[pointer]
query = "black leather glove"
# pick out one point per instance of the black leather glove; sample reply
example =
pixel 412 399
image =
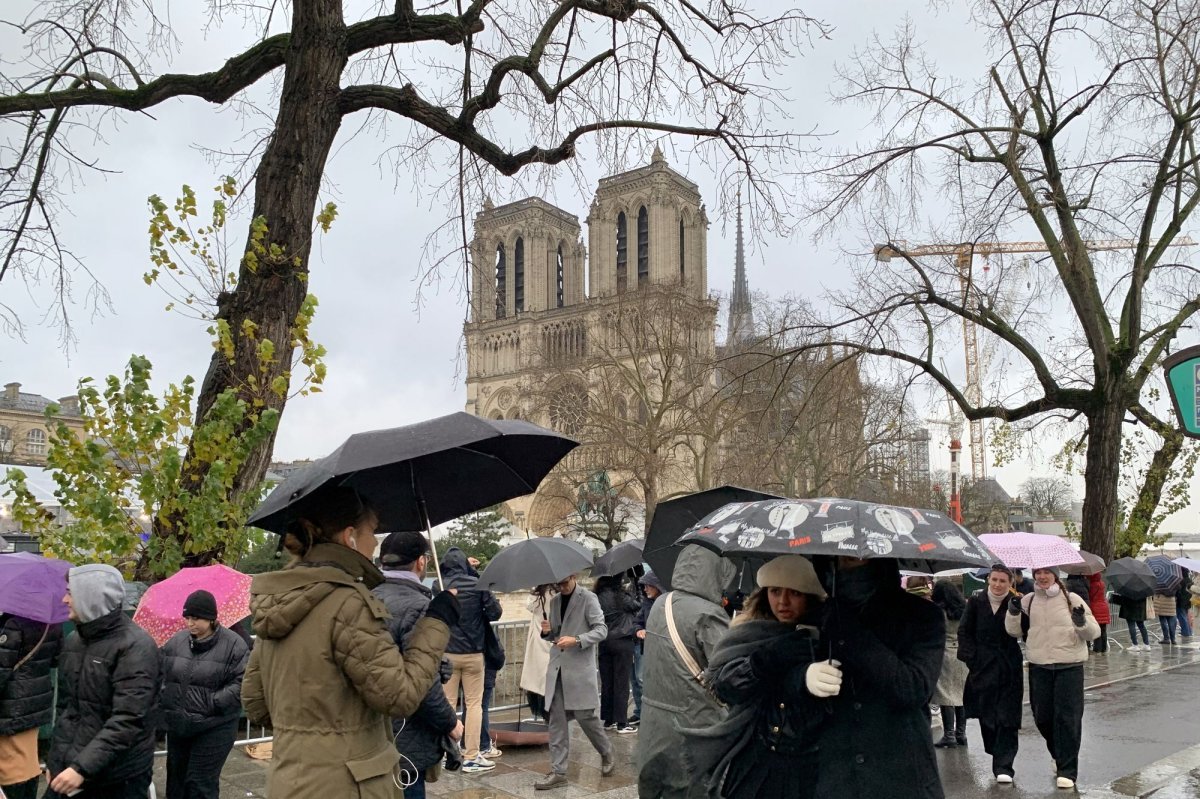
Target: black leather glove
pixel 444 607
pixel 1014 605
pixel 1077 616
pixel 783 652
pixel 445 671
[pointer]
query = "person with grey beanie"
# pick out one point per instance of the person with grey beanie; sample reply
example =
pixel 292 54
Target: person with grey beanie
pixel 103 743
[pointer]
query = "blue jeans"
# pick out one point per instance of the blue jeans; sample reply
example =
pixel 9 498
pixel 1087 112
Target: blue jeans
pixel 417 789
pixel 1168 627
pixel 636 680
pixel 485 735
pixel 1133 631
pixel 1185 628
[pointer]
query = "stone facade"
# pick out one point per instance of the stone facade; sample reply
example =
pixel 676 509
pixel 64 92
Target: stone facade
pixel 542 303
pixel 24 436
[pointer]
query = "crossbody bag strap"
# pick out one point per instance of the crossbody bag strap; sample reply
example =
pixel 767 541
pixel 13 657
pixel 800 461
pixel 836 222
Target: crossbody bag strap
pixel 688 661
pixel 36 647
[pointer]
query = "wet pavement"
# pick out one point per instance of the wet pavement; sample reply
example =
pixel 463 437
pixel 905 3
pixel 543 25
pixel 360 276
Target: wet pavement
pixel 1141 730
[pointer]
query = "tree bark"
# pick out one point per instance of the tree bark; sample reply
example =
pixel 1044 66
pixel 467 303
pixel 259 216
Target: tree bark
pixel 1142 515
pixel 287 187
pixel 1102 475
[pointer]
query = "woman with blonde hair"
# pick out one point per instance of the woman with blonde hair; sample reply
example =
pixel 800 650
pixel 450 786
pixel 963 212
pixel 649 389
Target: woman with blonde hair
pixel 325 672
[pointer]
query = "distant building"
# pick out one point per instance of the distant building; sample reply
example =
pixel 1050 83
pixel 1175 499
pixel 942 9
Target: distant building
pixel 24 434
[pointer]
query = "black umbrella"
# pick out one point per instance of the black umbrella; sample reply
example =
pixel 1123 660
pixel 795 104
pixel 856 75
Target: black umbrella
pixel 920 540
pixel 426 473
pixel 533 562
pixel 1131 578
pixel 676 516
pixel 622 557
pixel 1168 576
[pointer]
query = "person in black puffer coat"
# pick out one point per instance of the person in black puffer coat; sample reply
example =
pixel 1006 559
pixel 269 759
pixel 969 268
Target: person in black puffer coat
pixel 201 699
pixel 103 742
pixel 616 651
pixel 477 609
pixel 419 737
pixel 26 698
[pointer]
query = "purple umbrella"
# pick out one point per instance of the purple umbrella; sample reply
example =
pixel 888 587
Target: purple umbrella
pixel 33 587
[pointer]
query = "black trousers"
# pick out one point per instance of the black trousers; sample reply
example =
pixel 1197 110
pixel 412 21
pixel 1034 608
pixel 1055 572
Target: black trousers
pixel 1056 698
pixel 194 762
pixel 616 665
pixel 1101 643
pixel 22 790
pixel 136 787
pixel 1001 743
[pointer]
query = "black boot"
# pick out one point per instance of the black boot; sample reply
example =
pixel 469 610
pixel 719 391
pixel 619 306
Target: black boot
pixel 948 738
pixel 960 725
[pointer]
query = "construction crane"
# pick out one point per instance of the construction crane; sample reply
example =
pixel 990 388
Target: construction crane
pixel 964 253
pixel 954 425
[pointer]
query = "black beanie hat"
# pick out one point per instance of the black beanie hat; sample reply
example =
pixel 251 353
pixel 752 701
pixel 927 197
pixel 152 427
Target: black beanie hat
pixel 200 605
pixel 401 549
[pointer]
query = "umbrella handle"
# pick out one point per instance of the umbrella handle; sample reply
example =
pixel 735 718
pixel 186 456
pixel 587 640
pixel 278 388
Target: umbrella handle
pixel 437 566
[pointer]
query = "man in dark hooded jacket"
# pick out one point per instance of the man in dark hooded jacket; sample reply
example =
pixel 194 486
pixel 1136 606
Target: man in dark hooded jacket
pixel 103 745
pixel 28 651
pixel 477 609
pixel 418 738
pixel 672 698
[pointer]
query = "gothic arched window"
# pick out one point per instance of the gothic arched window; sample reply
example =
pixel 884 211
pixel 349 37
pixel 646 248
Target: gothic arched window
pixel 622 252
pixel 558 277
pixel 682 242
pixel 519 275
pixel 501 283
pixel 643 245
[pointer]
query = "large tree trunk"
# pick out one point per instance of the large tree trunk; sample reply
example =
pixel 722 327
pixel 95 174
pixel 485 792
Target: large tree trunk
pixel 1137 526
pixel 1103 472
pixel 286 191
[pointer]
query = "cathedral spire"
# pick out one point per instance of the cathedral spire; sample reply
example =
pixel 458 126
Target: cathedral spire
pixel 741 312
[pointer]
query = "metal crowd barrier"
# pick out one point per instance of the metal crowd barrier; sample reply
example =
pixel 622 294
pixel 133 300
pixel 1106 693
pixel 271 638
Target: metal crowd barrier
pixel 507 695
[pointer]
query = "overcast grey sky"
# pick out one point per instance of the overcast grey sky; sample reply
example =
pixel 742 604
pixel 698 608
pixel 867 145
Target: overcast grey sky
pixel 394 347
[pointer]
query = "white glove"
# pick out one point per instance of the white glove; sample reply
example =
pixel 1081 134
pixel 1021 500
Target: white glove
pixel 823 679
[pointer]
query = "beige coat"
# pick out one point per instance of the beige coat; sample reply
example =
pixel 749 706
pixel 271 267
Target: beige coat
pixel 537 649
pixel 1053 636
pixel 327 676
pixel 1164 605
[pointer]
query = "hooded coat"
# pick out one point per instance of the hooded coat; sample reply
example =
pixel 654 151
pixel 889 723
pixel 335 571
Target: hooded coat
pixel 27 694
pixel 108 677
pixel 419 736
pixel 476 608
pixel 327 675
pixel 202 680
pixel 671 697
pixel 1097 599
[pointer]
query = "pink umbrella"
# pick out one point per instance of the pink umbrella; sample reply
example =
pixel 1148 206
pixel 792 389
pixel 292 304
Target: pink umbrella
pixel 1031 550
pixel 160 612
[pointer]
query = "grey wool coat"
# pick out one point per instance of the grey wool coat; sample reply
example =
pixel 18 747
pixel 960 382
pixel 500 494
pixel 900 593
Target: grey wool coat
pixel 577 665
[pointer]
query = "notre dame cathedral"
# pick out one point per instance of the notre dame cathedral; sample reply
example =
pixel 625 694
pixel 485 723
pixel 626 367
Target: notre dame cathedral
pixel 540 298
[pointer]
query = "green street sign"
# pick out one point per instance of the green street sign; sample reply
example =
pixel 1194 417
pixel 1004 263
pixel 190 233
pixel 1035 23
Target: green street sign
pixel 1183 381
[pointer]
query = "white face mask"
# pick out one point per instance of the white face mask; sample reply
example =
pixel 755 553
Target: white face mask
pixel 1053 590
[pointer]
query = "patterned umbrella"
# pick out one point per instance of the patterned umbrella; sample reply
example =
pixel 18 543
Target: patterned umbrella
pixel 160 612
pixel 1031 550
pixel 1167 574
pixel 921 540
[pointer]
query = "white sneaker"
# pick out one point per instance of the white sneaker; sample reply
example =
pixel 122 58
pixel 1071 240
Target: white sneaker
pixel 1004 779
pixel 492 752
pixel 1065 782
pixel 477 765
pixel 1146 647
